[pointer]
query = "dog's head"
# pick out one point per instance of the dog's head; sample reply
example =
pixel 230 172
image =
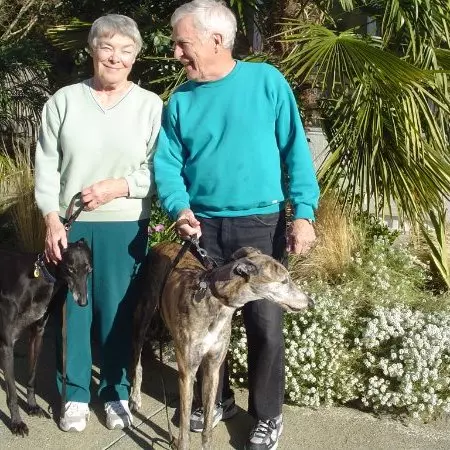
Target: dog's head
pixel 74 268
pixel 251 275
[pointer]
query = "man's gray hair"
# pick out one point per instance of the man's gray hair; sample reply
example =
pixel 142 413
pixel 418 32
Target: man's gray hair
pixel 111 24
pixel 210 16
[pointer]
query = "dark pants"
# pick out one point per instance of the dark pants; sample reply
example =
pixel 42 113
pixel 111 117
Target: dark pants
pixel 263 320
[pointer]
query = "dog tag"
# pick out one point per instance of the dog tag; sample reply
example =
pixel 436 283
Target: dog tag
pixel 36 272
pixel 201 291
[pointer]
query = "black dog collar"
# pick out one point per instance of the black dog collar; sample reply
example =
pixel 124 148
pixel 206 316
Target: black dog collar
pixel 39 266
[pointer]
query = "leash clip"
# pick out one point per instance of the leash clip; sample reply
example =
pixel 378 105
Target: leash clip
pixel 71 217
pixel 201 251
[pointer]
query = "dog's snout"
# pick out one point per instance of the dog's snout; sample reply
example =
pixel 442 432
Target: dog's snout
pixel 311 303
pixel 82 302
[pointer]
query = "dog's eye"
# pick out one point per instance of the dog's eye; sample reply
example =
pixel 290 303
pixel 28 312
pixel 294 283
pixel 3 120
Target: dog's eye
pixel 285 281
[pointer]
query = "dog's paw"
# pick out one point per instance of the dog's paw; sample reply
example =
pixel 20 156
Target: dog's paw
pixel 35 410
pixel 135 402
pixel 19 429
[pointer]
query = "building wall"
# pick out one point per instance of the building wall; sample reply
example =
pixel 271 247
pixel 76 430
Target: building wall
pixel 318 146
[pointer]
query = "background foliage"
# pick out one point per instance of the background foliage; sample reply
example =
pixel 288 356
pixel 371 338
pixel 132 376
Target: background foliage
pixel 374 75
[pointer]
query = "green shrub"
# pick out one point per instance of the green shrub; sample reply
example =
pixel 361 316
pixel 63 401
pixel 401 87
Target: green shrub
pixel 161 228
pixel 376 337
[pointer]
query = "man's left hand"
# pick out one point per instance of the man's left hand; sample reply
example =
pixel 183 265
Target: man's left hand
pixel 300 237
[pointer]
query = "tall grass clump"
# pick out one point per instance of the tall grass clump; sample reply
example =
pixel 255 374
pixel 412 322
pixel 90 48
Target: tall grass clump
pixel 337 240
pixel 17 202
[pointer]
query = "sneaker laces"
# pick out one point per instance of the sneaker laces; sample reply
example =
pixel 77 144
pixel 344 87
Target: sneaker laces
pixel 262 428
pixel 115 407
pixel 75 409
pixel 197 413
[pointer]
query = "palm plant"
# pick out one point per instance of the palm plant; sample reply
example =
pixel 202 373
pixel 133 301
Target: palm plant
pixel 385 112
pixel 23 89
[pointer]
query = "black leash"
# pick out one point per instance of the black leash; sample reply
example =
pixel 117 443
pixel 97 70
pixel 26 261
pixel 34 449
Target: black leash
pixel 70 219
pixel 209 263
pixel 184 248
pixel 70 215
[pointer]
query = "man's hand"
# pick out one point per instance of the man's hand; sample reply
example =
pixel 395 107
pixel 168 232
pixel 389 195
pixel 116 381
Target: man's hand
pixel 103 192
pixel 300 237
pixel 55 237
pixel 187 225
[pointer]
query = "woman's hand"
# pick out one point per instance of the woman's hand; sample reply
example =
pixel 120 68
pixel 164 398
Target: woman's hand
pixel 103 192
pixel 55 237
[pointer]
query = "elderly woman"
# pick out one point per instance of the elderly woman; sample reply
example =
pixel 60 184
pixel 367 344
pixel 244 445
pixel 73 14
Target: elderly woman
pixel 97 138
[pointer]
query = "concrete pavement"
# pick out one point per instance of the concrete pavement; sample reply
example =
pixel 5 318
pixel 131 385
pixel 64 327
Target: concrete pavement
pixel 324 429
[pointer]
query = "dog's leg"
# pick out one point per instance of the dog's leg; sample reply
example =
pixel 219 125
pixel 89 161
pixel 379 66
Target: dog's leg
pixel 186 377
pixel 17 425
pixel 35 345
pixel 210 380
pixel 141 323
pixel 135 396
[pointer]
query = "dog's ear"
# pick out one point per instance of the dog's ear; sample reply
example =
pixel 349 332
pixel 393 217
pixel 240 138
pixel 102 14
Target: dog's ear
pixel 245 268
pixel 82 241
pixel 243 252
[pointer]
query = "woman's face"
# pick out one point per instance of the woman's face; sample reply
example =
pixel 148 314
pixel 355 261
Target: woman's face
pixel 113 59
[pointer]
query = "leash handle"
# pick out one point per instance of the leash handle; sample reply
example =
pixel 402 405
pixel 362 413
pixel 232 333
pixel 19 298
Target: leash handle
pixel 70 215
pixel 206 260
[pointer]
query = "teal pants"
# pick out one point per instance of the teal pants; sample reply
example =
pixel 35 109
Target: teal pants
pixel 118 249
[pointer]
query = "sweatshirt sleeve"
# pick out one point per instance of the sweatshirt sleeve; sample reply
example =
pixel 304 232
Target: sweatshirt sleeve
pixel 141 181
pixel 302 182
pixel 47 162
pixel 169 162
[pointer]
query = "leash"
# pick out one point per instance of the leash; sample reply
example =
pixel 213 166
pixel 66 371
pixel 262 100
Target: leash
pixel 71 216
pixel 184 248
pixel 208 263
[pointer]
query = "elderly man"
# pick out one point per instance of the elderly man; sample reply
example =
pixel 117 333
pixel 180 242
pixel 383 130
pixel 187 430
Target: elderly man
pixel 227 135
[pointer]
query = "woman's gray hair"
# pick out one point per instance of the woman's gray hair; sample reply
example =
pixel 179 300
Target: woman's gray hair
pixel 111 24
pixel 210 16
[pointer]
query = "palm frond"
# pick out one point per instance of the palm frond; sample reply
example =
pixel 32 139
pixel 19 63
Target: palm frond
pixel 385 150
pixel 331 60
pixel 69 37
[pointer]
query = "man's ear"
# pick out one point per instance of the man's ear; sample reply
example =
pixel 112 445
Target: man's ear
pixel 218 39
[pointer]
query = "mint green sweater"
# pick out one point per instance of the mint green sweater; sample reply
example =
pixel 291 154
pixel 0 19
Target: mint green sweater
pixel 80 144
pixel 223 144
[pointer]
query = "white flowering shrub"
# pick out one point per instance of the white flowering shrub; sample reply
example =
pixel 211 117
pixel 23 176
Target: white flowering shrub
pixel 377 337
pixel 406 357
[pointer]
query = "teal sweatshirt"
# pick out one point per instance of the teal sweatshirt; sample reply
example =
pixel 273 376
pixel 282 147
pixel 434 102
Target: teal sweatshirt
pixel 223 144
pixel 80 143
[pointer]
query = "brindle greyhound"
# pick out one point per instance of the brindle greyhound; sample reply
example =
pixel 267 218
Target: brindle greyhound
pixel 27 286
pixel 197 306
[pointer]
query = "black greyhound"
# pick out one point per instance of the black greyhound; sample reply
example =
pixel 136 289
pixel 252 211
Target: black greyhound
pixel 27 286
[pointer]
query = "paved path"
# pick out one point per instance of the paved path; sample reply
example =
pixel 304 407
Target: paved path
pixel 322 429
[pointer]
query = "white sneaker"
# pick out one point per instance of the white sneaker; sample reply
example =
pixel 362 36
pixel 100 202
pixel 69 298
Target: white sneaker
pixel 118 415
pixel 76 414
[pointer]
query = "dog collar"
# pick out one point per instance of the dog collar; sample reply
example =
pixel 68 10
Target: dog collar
pixel 39 266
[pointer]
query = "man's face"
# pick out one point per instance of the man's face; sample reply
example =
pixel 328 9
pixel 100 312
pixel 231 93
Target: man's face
pixel 194 51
